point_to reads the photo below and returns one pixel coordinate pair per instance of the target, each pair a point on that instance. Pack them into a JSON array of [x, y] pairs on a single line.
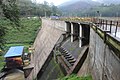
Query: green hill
[[23, 36]]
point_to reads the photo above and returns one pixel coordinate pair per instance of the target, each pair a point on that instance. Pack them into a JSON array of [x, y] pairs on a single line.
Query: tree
[[13, 9], [10, 12]]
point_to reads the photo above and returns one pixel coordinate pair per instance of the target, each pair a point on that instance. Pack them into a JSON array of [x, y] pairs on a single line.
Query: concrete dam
[[76, 47]]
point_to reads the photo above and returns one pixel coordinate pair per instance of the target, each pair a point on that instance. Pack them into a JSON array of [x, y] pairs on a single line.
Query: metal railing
[[109, 31], [108, 25]]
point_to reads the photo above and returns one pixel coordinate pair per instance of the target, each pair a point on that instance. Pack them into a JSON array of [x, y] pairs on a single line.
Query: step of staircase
[[68, 56], [72, 64], [72, 58], [72, 61]]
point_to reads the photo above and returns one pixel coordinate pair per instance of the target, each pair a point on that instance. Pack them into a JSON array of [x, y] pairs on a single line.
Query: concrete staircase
[[68, 56]]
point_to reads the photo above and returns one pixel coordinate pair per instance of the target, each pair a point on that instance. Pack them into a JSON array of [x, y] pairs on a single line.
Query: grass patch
[[26, 34], [75, 77], [2, 63], [71, 49]]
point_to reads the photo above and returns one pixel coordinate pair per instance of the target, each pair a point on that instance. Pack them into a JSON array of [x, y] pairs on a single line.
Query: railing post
[[106, 25], [100, 23], [116, 29], [103, 24], [110, 26], [72, 32]]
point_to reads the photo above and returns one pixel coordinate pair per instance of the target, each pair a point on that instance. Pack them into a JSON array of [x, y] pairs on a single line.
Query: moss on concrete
[[52, 71], [75, 77]]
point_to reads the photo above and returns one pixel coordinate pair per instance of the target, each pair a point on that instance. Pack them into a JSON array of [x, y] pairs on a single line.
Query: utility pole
[[117, 16], [36, 6], [98, 14], [45, 14]]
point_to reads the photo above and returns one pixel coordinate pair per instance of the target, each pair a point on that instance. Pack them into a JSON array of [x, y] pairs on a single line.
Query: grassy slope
[[26, 34]]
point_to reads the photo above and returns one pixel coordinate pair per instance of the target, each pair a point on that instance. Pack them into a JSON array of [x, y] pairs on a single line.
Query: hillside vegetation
[[23, 36], [90, 8], [31, 8], [26, 34]]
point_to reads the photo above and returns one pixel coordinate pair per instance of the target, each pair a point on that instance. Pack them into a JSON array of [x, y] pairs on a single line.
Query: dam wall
[[104, 64], [103, 61], [44, 44]]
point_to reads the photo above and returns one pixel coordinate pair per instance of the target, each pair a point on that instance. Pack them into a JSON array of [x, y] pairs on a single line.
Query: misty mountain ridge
[[109, 1], [91, 1], [89, 7], [78, 5], [71, 2]]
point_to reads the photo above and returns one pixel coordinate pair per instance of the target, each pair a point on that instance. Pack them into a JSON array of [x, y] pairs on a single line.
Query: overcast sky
[[56, 2]]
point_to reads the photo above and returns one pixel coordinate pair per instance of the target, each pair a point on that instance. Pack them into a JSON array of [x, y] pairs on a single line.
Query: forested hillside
[[76, 8], [90, 8], [111, 10], [29, 8], [109, 1]]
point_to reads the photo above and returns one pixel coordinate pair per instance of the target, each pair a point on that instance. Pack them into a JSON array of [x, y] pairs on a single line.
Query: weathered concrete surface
[[44, 44], [55, 23], [84, 70], [79, 62], [104, 64], [52, 71]]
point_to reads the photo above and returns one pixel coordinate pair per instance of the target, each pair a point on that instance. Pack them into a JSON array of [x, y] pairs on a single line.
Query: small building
[[14, 57]]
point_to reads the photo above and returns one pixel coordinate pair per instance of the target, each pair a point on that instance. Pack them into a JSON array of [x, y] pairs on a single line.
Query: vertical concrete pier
[[80, 35]]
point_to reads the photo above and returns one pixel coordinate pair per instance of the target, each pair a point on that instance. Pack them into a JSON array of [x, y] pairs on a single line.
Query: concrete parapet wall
[[44, 44], [55, 23], [104, 64]]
